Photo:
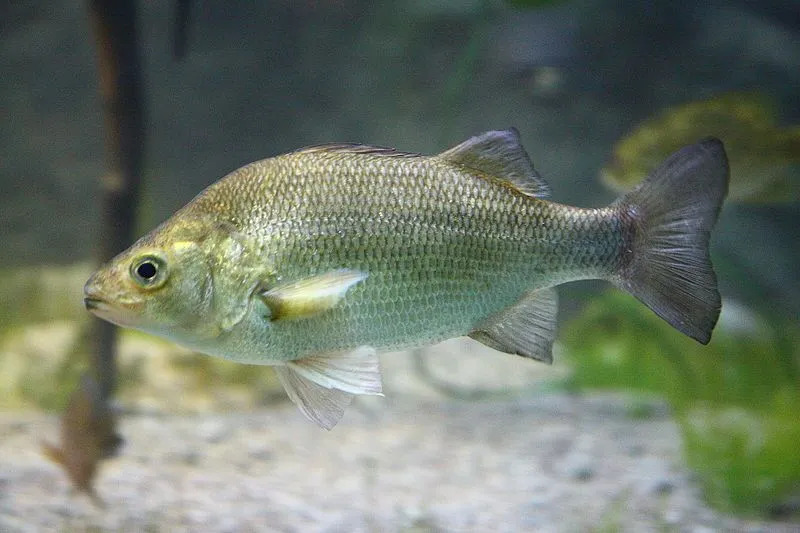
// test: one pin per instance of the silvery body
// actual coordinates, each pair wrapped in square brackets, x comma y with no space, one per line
[316,260]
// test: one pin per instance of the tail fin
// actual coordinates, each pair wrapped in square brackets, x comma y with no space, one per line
[671,214]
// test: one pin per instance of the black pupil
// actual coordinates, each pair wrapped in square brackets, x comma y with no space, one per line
[146,270]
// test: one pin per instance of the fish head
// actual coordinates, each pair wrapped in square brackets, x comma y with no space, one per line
[163,283]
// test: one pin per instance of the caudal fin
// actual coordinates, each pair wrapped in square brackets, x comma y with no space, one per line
[670,216]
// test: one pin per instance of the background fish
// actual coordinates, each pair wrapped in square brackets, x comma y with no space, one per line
[764,157]
[315,260]
[88,435]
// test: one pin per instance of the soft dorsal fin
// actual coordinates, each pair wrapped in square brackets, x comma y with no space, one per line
[500,154]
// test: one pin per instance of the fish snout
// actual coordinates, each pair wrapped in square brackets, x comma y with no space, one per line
[106,296]
[92,295]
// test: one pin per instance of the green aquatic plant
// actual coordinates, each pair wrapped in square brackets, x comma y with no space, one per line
[747,459]
[764,154]
[736,400]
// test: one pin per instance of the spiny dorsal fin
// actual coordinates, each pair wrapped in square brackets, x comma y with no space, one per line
[353,148]
[500,154]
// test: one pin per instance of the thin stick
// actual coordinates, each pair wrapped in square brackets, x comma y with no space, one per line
[114,24]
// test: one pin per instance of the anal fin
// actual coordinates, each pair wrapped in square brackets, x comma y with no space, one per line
[323,385]
[319,404]
[527,328]
[355,371]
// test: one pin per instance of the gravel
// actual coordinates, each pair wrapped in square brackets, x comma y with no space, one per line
[546,462]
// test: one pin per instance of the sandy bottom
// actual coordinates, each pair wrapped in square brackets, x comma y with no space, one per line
[550,462]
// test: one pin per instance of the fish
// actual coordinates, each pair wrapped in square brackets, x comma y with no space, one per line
[88,436]
[764,156]
[317,260]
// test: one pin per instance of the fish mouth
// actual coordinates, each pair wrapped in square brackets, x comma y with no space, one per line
[101,309]
[104,309]
[92,303]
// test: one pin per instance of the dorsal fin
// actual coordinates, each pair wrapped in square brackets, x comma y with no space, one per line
[500,154]
[352,148]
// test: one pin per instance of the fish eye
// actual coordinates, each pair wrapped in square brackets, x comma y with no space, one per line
[149,271]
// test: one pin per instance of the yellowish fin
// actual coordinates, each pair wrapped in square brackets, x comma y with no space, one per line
[310,296]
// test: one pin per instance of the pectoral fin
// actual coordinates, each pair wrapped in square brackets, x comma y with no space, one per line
[323,385]
[527,328]
[310,296]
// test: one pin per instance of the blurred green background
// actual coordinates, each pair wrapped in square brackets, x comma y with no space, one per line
[574,77]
